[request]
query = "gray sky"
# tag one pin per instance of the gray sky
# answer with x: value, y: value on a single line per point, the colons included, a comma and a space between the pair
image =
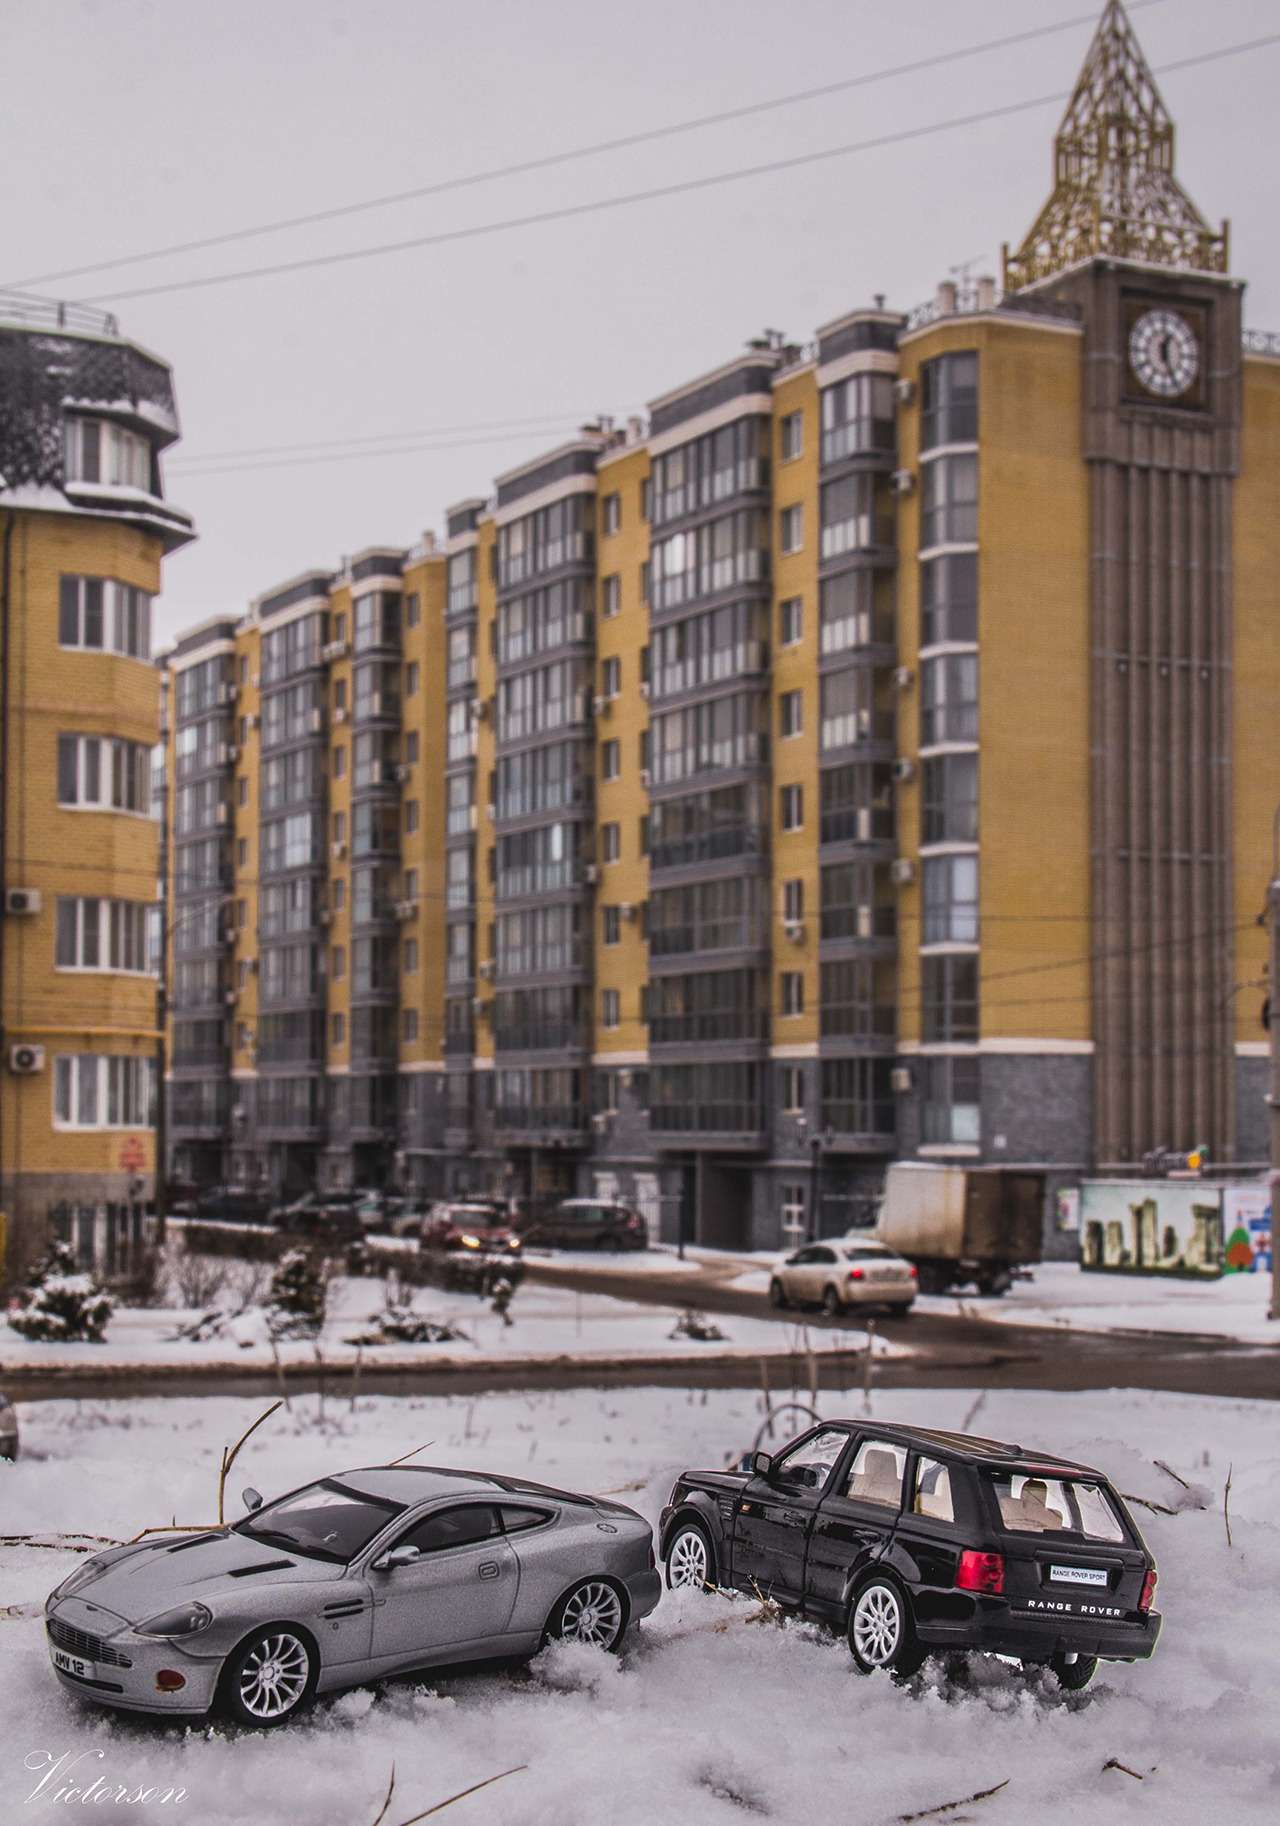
x: 136, y: 123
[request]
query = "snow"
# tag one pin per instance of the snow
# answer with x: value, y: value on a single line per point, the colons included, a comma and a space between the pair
x: 710, y: 1714
x: 548, y: 1323
x: 1063, y: 1294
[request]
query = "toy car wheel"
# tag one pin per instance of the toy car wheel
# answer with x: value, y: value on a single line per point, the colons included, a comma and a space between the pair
x: 831, y: 1303
x: 777, y: 1294
x: 882, y: 1638
x: 269, y: 1677
x: 592, y: 1612
x: 689, y: 1559
x: 1074, y: 1672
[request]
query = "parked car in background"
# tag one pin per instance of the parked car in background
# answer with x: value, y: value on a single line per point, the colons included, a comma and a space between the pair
x: 479, y: 1228
x: 8, y: 1428
x: 587, y: 1223
x: 228, y: 1204
x: 913, y: 1542
x: 846, y: 1271
x: 358, y: 1576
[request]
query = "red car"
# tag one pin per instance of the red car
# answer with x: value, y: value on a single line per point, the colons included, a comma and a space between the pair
x: 477, y: 1227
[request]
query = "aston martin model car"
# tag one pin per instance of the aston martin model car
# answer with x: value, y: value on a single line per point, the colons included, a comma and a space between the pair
x: 844, y: 1272
x: 913, y: 1542
x: 361, y: 1575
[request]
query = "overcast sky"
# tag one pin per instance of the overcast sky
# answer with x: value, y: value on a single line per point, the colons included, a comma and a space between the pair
x: 137, y: 123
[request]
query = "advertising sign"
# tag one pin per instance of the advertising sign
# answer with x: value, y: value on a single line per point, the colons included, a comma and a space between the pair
x: 1152, y: 1226
x: 1246, y: 1222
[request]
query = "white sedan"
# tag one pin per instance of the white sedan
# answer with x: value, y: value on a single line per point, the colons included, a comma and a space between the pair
x: 844, y: 1272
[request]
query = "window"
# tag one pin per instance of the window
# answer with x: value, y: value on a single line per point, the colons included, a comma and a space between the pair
x: 875, y: 1476
x: 242, y: 852
x: 791, y: 440
x: 646, y: 498
x: 1048, y: 1505
x: 857, y: 417
x: 411, y: 748
x: 949, y: 997
x: 104, y: 773
x: 610, y: 1008
x: 853, y: 516
x: 854, y: 610
x: 340, y: 627
x: 461, y: 1526
x: 950, y: 900
x: 932, y: 1495
x: 411, y: 816
x: 610, y: 842
x: 792, y: 988
x: 952, y: 1112
x: 412, y: 676
x: 411, y: 884
x: 791, y: 528
x: 339, y: 965
x: 105, y: 615
x: 611, y: 925
x: 949, y: 400
x: 949, y: 699
x: 340, y: 694
x: 104, y: 935
x: 791, y: 714
x: 792, y: 901
x: 410, y: 956
x: 462, y: 581
x: 338, y: 1029
x: 98, y: 450
x: 611, y: 596
x: 611, y: 513
x: 611, y: 676
x: 792, y: 1090
x: 242, y: 790
x: 793, y: 1215
x: 610, y: 760
x: 949, y: 501
x: 810, y: 1463
x: 791, y: 803
x: 97, y: 1091
x: 338, y: 894
x: 339, y: 827
x: 409, y: 1023
x: 949, y: 598
x: 242, y: 973
x: 646, y: 575
x: 790, y: 620
x: 949, y: 799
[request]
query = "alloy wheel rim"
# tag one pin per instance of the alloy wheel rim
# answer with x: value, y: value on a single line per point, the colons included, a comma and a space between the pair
x: 592, y: 1613
x: 877, y: 1624
x: 274, y: 1677
x: 689, y: 1559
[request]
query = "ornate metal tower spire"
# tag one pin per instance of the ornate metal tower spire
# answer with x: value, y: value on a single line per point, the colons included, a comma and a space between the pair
x: 1114, y: 189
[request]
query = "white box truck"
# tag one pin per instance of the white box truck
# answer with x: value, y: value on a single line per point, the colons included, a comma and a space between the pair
x: 962, y: 1224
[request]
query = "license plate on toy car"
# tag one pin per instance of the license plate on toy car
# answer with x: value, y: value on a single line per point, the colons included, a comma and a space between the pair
x: 71, y: 1664
x: 1078, y: 1575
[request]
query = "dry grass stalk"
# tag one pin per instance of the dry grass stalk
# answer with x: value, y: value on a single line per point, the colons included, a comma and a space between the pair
x: 1169, y: 1471
x: 229, y: 1458
x: 462, y: 1794
x: 1114, y: 1763
x: 1145, y: 1502
x: 406, y: 1455
x: 928, y: 1813
x: 1226, y: 1498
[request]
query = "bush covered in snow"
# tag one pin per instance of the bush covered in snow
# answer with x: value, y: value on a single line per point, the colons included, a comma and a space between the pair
x: 397, y: 1324
x: 62, y: 1305
x: 298, y: 1297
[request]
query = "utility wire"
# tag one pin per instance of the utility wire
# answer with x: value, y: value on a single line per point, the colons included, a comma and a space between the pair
x: 542, y: 422
x: 558, y: 428
x: 547, y: 161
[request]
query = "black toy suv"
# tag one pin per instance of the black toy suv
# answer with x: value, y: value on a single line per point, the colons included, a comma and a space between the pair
x: 914, y: 1542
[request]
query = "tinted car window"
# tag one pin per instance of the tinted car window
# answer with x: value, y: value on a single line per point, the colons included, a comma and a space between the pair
x: 515, y: 1519
x: 818, y: 1453
x: 823, y: 1255
x: 457, y: 1527
x: 932, y: 1495
x: 1050, y: 1505
x: 875, y: 1475
x: 325, y: 1521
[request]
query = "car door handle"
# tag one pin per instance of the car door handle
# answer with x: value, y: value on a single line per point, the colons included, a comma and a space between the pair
x: 490, y: 1569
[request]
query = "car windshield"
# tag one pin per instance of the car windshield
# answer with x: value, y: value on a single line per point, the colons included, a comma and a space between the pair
x: 325, y: 1521
x: 859, y: 1252
x: 1035, y: 1504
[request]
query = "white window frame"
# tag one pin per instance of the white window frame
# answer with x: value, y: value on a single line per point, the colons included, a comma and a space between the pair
x: 122, y: 457
x: 87, y: 1081
x: 791, y: 529
x: 111, y: 939
x: 610, y: 1009
x: 611, y: 842
x: 790, y: 715
x: 791, y: 994
x: 791, y: 440
x: 791, y: 626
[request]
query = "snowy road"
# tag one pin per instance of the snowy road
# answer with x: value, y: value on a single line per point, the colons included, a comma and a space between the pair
x: 708, y: 1716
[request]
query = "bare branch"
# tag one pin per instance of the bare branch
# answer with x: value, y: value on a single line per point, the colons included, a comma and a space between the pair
x: 1113, y: 1763
x: 463, y: 1793
x: 1226, y: 1498
x: 391, y: 1788
x: 927, y: 1813
x: 229, y: 1458
x: 1146, y: 1503
x: 1169, y: 1471
x: 400, y: 1461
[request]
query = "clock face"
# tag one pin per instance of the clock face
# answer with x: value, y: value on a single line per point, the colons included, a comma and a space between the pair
x: 1164, y: 353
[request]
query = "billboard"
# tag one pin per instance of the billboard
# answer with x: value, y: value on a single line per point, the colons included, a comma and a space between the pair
x: 1153, y: 1226
x: 1246, y: 1223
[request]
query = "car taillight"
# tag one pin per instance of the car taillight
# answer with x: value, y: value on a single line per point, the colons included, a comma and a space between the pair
x: 980, y: 1571
x: 855, y: 1274
x: 1148, y: 1591
x: 913, y: 1271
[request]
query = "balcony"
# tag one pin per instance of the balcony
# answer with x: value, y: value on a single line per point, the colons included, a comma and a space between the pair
x: 734, y: 1120
x: 540, y: 1119
x: 709, y: 846
x: 539, y: 1036
x: 860, y: 1127
x: 714, y: 1027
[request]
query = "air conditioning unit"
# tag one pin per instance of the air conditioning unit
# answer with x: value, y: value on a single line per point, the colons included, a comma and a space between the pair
x: 904, y: 391
x: 338, y: 851
x: 24, y: 1060
x: 591, y: 874
x: 794, y: 930
x: 628, y: 909
x: 904, y: 481
x: 402, y: 772
x: 336, y: 649
x: 646, y: 776
x: 904, y: 768
x: 900, y: 1078
x: 315, y: 722
x: 231, y: 998
x: 903, y: 678
x: 600, y: 706
x: 479, y: 709
x: 22, y: 900
x: 339, y: 714
x: 406, y: 909
x: 487, y: 969
x: 644, y: 688
x: 902, y: 870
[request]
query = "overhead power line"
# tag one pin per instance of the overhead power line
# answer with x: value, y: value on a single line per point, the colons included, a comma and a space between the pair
x: 557, y: 427
x: 546, y: 161
x: 655, y: 193
x: 538, y: 423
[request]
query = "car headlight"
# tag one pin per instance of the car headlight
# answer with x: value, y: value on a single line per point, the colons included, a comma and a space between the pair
x: 184, y: 1620
x: 87, y: 1570
x: 469, y: 1242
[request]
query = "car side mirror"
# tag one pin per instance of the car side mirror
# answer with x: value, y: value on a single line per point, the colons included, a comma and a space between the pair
x: 396, y: 1556
x: 804, y: 1477
x: 251, y: 1498
x: 761, y: 1464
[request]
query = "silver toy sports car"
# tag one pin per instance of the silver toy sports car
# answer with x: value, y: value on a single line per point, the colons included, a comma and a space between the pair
x: 364, y: 1574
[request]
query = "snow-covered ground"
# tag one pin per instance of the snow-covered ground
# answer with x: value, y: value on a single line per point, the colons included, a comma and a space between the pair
x: 547, y: 1322
x: 1063, y: 1294
x: 709, y: 1715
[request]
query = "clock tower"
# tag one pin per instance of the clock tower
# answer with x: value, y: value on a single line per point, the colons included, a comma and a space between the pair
x: 1122, y: 242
